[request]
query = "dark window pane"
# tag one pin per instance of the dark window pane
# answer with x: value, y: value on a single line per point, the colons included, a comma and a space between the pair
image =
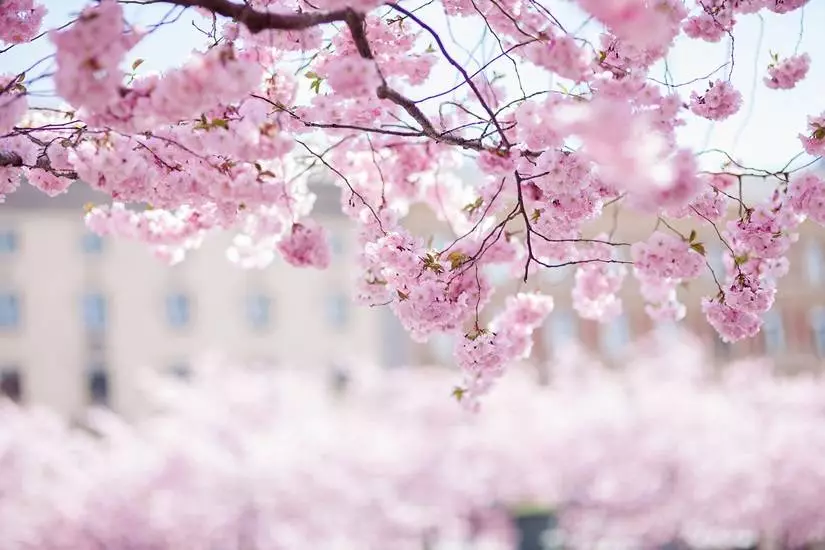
x: 9, y: 311
x: 11, y: 384
x: 98, y: 386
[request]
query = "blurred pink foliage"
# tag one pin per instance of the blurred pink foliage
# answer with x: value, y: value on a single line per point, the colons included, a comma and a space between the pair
x: 254, y: 460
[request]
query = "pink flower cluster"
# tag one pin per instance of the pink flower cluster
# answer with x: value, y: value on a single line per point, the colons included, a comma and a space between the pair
x: 305, y: 245
x: 665, y: 256
x: 89, y: 53
x: 13, y: 103
x: 597, y: 283
x: 785, y: 74
x: 806, y: 195
x: 205, y: 84
x: 483, y: 354
x: 639, y: 22
x: 814, y: 141
x: 170, y: 234
x: 665, y: 448
x: 661, y: 264
x: 732, y: 324
x: 720, y: 101
x: 757, y: 244
x: 353, y: 76
x: 209, y: 145
x: 562, y: 55
x: 430, y: 293
x: 20, y: 20
x: 715, y: 20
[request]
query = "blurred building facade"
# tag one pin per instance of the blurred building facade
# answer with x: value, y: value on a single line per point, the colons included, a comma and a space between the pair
x: 793, y: 334
x: 82, y: 317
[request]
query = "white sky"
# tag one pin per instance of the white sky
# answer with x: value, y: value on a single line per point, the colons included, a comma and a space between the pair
x: 763, y: 134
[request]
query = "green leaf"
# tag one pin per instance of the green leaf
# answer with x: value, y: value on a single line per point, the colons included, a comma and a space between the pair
x: 698, y: 247
x: 692, y: 236
x: 316, y: 85
x: 534, y: 217
x: 458, y: 393
x: 457, y: 259
x: 473, y: 206
x: 221, y: 123
x: 430, y: 49
x: 312, y: 75
x: 431, y: 262
x: 475, y: 333
x: 137, y: 63
x: 819, y: 133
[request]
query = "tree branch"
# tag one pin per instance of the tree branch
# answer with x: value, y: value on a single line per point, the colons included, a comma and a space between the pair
x: 10, y: 158
x: 257, y: 21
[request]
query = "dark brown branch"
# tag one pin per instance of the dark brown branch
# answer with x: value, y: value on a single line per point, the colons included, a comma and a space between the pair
x: 458, y: 67
x: 257, y: 21
x: 14, y: 160
x: 385, y: 92
x: 10, y: 158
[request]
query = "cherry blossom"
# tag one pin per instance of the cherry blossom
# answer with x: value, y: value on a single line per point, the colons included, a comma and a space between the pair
x: 814, y: 142
x: 720, y: 101
x: 20, y: 20
x: 785, y: 74
x: 732, y: 324
x: 664, y: 256
x: 806, y: 195
x: 666, y: 449
x: 13, y: 103
x: 562, y: 125
x: 305, y: 245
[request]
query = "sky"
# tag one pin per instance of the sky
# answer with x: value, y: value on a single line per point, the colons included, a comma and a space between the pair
x: 762, y: 134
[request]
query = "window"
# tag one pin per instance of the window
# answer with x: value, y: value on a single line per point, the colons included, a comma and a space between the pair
x: 562, y: 328
x: 814, y: 262
x: 614, y: 336
x: 98, y: 385
x: 442, y: 346
x: 818, y: 329
x: 394, y: 341
x: 91, y: 243
x: 498, y: 273
x: 257, y: 310
x: 339, y: 378
x: 773, y: 331
x: 9, y: 311
x: 336, y: 244
x: 337, y: 310
x: 177, y: 310
x: 8, y: 241
x: 180, y: 370
x: 722, y: 349
x: 94, y: 312
x: 11, y: 384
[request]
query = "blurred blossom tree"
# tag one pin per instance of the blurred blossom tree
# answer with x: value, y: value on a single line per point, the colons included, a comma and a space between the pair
x: 246, y: 460
x: 225, y: 140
